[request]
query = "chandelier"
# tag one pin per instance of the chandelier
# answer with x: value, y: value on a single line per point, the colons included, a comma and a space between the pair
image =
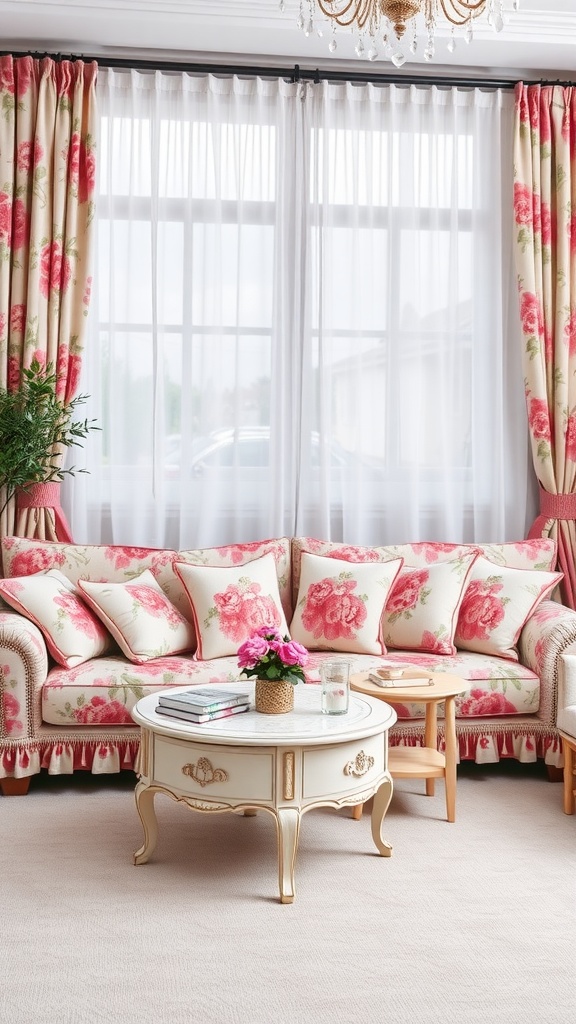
x: 380, y: 26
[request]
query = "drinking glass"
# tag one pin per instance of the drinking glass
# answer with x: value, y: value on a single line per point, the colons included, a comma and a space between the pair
x: 335, y: 683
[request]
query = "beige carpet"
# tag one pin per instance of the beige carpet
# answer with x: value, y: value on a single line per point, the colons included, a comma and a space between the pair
x: 469, y: 923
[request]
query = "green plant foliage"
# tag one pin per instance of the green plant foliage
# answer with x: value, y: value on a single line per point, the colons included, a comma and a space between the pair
x: 35, y: 426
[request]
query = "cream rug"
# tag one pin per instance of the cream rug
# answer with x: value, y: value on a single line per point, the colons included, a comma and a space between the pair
x: 468, y: 923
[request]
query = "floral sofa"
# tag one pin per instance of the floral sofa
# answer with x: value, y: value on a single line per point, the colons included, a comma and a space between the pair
x: 86, y: 630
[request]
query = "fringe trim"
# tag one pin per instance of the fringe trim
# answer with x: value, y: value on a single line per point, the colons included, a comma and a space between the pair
x: 485, y: 745
x: 103, y: 756
x: 109, y: 754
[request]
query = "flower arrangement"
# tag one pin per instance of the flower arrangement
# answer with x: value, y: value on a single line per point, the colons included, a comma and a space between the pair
x: 269, y: 655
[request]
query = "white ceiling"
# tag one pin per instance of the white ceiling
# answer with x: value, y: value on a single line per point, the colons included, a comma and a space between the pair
x: 539, y: 40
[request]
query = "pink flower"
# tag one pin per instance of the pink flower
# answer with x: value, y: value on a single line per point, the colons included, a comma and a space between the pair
x: 100, y: 711
x: 28, y: 562
x: 531, y: 315
x: 55, y: 269
x: 347, y: 553
x: 481, y: 611
x: 11, y: 710
x: 538, y: 418
x: 18, y: 318
x: 570, y: 332
x: 522, y: 204
x: 406, y: 591
x: 80, y: 617
x: 331, y: 609
x: 251, y: 651
x: 293, y: 653
x: 242, y: 609
x: 482, y: 702
x: 571, y: 437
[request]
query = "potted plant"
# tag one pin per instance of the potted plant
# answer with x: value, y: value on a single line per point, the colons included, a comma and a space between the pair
x: 277, y: 663
x: 35, y: 425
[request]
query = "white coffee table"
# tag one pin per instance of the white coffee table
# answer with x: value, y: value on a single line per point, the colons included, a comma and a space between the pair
x: 283, y: 764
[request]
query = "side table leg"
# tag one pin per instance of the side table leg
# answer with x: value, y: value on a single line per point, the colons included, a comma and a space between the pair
x: 450, y: 757
x: 145, y: 806
x: 431, y: 737
x: 288, y: 820
x: 381, y: 804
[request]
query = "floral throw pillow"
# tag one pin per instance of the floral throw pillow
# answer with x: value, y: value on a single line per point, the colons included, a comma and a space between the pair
x: 48, y: 599
x: 231, y: 603
x: 496, y: 605
x: 422, y: 609
x: 140, y: 617
x: 340, y: 604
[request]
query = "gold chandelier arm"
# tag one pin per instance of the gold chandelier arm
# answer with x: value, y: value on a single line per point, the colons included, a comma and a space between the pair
x: 458, y: 12
x: 346, y: 12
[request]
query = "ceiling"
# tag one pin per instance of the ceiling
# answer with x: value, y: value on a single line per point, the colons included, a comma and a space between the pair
x: 538, y: 41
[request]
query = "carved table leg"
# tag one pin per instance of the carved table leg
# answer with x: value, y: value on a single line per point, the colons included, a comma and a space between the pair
x: 450, y: 757
x: 288, y: 820
x: 145, y: 806
x: 381, y: 804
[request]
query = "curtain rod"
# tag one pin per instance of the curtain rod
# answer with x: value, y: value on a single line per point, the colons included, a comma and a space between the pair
x: 294, y: 73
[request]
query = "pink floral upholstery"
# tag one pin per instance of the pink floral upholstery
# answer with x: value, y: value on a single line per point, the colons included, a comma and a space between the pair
x: 422, y: 608
x: 144, y: 623
x: 72, y: 632
x: 496, y: 605
x: 340, y: 603
x: 229, y: 604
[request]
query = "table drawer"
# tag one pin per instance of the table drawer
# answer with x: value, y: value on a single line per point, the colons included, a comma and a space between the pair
x: 211, y: 771
x: 344, y: 768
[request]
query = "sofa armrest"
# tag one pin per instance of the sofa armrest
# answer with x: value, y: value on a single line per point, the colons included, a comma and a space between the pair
x: 549, y: 633
x: 23, y: 672
x: 567, y: 684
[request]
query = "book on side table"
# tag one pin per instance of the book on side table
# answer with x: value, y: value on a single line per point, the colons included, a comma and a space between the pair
x: 390, y: 677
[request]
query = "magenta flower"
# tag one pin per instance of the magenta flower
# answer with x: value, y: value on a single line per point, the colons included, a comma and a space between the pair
x: 268, y: 655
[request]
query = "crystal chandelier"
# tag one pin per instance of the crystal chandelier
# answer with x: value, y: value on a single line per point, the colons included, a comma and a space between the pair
x: 381, y: 25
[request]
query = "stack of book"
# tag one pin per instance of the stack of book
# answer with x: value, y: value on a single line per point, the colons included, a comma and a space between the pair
x: 202, y: 705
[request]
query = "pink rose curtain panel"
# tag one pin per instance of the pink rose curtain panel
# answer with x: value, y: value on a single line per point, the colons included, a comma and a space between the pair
x: 47, y: 176
x: 545, y: 216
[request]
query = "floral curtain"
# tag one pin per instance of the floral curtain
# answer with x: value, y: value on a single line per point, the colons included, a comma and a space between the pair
x: 47, y: 178
x: 545, y: 216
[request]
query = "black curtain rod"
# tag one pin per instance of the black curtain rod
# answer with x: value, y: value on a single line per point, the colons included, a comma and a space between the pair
x: 294, y: 73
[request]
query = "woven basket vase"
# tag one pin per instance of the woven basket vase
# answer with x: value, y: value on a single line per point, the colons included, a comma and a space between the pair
x: 273, y: 698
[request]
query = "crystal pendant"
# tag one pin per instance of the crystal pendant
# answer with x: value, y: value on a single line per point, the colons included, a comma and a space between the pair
x: 359, y: 48
x: 414, y: 45
x: 398, y: 59
x: 309, y: 28
x: 469, y: 33
x: 372, y: 53
x: 300, y: 22
x: 429, y: 53
x: 497, y: 22
x: 451, y: 44
x: 282, y: 6
x: 332, y: 45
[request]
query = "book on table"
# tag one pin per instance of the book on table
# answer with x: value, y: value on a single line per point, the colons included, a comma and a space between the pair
x: 199, y: 719
x: 200, y: 700
x: 382, y: 678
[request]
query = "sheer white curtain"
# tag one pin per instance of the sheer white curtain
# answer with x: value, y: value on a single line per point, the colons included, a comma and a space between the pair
x: 303, y: 317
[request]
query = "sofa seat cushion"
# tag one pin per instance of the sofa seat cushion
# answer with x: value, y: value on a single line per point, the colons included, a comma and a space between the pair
x: 103, y: 691
x: 496, y: 687
x: 567, y: 720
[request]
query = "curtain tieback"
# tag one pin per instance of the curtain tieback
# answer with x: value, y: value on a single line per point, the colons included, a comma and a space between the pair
x: 46, y: 496
x: 557, y: 506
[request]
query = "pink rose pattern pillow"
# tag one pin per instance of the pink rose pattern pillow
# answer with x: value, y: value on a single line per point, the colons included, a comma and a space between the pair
x: 140, y: 617
x: 73, y: 634
x: 497, y: 603
x: 422, y: 609
x: 340, y: 604
x: 230, y: 604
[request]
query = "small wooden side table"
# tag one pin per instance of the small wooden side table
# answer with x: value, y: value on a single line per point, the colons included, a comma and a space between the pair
x: 425, y: 762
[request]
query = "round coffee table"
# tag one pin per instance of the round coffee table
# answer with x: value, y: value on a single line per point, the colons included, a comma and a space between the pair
x: 425, y: 762
x: 284, y: 764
